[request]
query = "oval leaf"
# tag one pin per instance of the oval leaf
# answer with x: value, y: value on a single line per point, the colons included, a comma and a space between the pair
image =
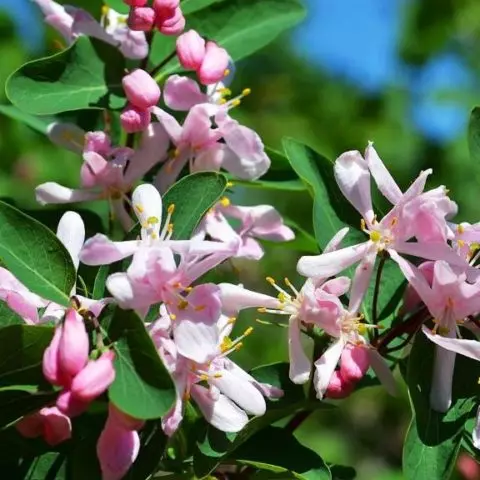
x: 88, y: 74
x: 35, y: 255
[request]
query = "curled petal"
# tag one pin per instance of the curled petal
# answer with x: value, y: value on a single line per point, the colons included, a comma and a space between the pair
x: 325, y: 367
x: 300, y: 364
x: 100, y: 250
x: 182, y: 93
x: 467, y: 348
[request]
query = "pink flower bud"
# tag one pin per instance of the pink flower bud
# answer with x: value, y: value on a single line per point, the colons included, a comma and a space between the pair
x: 98, y: 142
x: 57, y: 427
x: 95, y: 378
x: 30, y: 426
x: 354, y: 363
x: 134, y: 120
x: 126, y: 421
x: 468, y: 467
x: 141, y: 19
x: 141, y: 89
x: 70, y: 405
x: 135, y: 3
x: 50, y: 359
x: 173, y: 25
x: 163, y: 5
x: 338, y: 387
x: 191, y: 50
x: 214, y: 65
x: 74, y: 345
x: 117, y: 449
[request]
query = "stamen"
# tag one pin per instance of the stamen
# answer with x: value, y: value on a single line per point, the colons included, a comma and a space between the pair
x: 230, y: 184
x: 173, y: 317
x: 363, y: 226
x: 226, y: 73
x: 199, y: 308
x: 246, y: 91
x: 270, y: 280
x: 182, y: 305
x: 171, y: 209
x: 139, y: 209
x: 225, y: 201
x: 460, y: 229
x: 105, y: 10
x: 375, y: 236
x: 289, y: 285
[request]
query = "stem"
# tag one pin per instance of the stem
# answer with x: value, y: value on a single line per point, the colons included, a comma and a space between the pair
x: 297, y: 420
x: 162, y: 64
x: 377, y: 290
x: 149, y: 38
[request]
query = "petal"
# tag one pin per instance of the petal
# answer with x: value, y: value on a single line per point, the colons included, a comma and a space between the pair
x: 476, y: 431
x: 329, y: 264
x: 241, y: 391
x: 147, y: 204
x: 67, y: 135
x: 236, y: 297
x: 197, y: 128
x: 325, y: 366
x: 353, y: 179
x: 383, y: 373
x: 52, y: 192
x: 417, y: 187
x: 431, y: 251
x: 300, y: 364
x: 169, y: 172
x: 133, y: 45
x: 385, y: 182
x: 120, y: 287
x: 196, y: 340
x: 85, y: 24
x: 182, y: 93
x: 467, y: 348
x: 442, y: 380
x: 222, y: 413
x: 361, y: 280
x: 71, y: 232
x: 21, y: 306
x: 336, y: 240
x: 100, y: 250
x: 172, y: 127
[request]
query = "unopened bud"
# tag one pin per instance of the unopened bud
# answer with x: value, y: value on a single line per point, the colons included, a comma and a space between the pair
x: 214, y: 64
x: 95, y: 378
x: 141, y: 19
x: 70, y: 405
x: 30, y: 426
x: 134, y: 119
x: 135, y: 3
x: 141, y: 89
x: 190, y: 50
x: 338, y: 387
x: 354, y: 363
x: 165, y: 5
x: 73, y: 346
x: 173, y: 25
x: 50, y: 359
x: 57, y: 427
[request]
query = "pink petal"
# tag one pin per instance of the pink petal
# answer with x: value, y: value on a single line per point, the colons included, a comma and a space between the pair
x: 52, y: 192
x: 57, y: 427
x: 300, y: 364
x: 172, y: 127
x: 417, y: 187
x: 325, y: 366
x: 361, y: 280
x: 235, y: 298
x: 385, y: 182
x: 67, y: 135
x: 196, y: 340
x: 336, y: 240
x: 353, y: 178
x: 182, y: 93
x: 100, y: 250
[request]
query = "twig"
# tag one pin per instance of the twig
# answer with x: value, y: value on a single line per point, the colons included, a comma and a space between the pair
x: 376, y: 292
x: 162, y: 64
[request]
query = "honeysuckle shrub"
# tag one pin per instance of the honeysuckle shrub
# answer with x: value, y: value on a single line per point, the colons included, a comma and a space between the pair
x: 117, y: 333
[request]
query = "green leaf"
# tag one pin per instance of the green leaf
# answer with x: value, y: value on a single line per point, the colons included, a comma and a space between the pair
x: 9, y: 317
x: 21, y: 353
x: 474, y: 135
x: 190, y: 6
x: 37, y: 123
x: 240, y: 26
x: 288, y: 456
x: 303, y: 241
x: 86, y: 75
x: 331, y: 211
x: 35, y: 255
x: 50, y: 465
x: 118, y: 5
x: 433, y: 439
x: 286, y: 185
x: 100, y: 282
x: 142, y: 387
x: 193, y: 196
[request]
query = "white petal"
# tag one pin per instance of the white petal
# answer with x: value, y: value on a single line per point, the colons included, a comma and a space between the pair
x: 120, y: 287
x: 147, y: 204
x: 67, y: 135
x: 325, y: 366
x: 467, y: 348
x: 336, y: 240
x: 196, y: 340
x: 222, y: 413
x: 442, y: 380
x: 71, y: 232
x: 52, y: 192
x: 300, y: 364
x: 361, y: 280
x: 236, y: 298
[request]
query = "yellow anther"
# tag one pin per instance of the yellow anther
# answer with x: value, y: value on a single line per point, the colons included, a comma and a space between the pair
x: 262, y: 310
x: 226, y: 345
x: 270, y: 280
x: 177, y: 285
x: 238, y: 346
x: 248, y: 331
x: 231, y: 320
x: 282, y: 297
x: 170, y: 228
x: 443, y: 330
x: 362, y: 224
x: 186, y: 396
x: 461, y: 243
x: 246, y: 91
x: 460, y: 229
x: 152, y: 220
x: 153, y: 236
x: 217, y: 375
x: 188, y: 289
x: 226, y: 73
x: 225, y: 91
x: 394, y: 221
x: 171, y: 209
x: 375, y: 236
x: 361, y: 329
x: 474, y: 246
x: 139, y: 208
x: 225, y: 201
x: 203, y: 378
x: 288, y: 283
x: 236, y: 102
x: 199, y: 308
x: 176, y: 153
x: 173, y: 317
x: 230, y: 184
x: 222, y: 101
x: 182, y: 304
x: 105, y: 10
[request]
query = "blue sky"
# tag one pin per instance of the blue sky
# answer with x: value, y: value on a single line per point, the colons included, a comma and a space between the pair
x: 355, y: 40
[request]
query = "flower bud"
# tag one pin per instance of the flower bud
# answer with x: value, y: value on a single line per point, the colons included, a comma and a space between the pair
x: 98, y: 142
x: 70, y: 405
x: 214, y: 65
x: 141, y: 19
x: 191, y: 50
x: 135, y: 3
x: 74, y: 345
x: 141, y: 89
x: 134, y: 120
x: 57, y: 427
x: 30, y: 426
x: 338, y: 387
x: 164, y: 5
x: 95, y: 378
x: 173, y: 25
x: 50, y: 367
x: 354, y: 363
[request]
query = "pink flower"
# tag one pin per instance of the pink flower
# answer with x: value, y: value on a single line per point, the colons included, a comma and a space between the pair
x: 190, y: 50
x: 141, y: 89
x: 415, y: 214
x: 214, y: 65
x: 141, y: 19
x: 449, y: 299
x: 95, y: 378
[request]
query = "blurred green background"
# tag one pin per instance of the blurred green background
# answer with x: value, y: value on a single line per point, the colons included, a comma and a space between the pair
x: 400, y: 73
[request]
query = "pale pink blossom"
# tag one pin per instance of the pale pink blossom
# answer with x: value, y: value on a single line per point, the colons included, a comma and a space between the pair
x: 190, y: 50
x: 141, y: 89
x: 214, y: 64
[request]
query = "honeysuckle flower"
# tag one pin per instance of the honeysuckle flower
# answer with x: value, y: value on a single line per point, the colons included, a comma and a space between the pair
x: 258, y: 222
x: 414, y: 214
x: 72, y: 22
x: 232, y: 393
x: 466, y: 240
x: 108, y: 172
x: 449, y: 299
